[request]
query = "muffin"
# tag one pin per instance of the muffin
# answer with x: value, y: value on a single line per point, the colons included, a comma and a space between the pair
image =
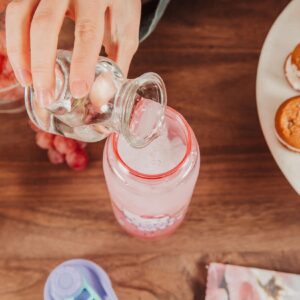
x: 292, y: 68
x: 287, y: 123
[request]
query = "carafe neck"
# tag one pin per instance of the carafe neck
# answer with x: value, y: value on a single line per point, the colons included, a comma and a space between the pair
x: 140, y: 106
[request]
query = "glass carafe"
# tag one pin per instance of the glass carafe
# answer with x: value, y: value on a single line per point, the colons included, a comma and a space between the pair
x: 132, y: 107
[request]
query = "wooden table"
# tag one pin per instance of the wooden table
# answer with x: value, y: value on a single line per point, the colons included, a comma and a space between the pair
x: 243, y: 210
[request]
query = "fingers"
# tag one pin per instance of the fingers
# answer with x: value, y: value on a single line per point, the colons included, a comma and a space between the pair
x: 125, y: 53
x: 18, y: 18
x: 123, y: 20
x: 45, y: 28
x: 89, y: 23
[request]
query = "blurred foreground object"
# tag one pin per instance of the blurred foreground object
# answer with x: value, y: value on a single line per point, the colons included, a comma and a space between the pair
x: 241, y: 283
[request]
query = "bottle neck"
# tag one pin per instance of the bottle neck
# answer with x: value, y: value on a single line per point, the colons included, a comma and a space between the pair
x: 123, y: 107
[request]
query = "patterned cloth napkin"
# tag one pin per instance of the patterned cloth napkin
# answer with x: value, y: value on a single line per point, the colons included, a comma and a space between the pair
x: 228, y: 282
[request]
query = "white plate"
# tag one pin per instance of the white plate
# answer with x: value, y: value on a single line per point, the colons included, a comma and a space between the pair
x: 272, y: 88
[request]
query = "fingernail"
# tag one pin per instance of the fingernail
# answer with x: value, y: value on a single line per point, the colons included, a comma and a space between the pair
x: 24, y: 77
x: 79, y: 88
x: 44, y: 97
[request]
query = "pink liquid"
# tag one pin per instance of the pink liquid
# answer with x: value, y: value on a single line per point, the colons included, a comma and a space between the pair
x: 151, y: 188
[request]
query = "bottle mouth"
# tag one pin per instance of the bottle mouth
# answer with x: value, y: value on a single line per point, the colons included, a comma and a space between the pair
x: 144, y: 114
x: 179, y: 127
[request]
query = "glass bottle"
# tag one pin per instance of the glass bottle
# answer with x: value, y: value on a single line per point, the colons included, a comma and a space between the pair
x: 133, y: 107
x: 151, y: 188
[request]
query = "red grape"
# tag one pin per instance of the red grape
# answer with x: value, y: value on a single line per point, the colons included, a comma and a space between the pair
x: 55, y: 157
x: 64, y: 145
x: 61, y: 149
x: 7, y: 70
x: 44, y: 139
x: 2, y: 38
x: 2, y: 62
x: 77, y: 160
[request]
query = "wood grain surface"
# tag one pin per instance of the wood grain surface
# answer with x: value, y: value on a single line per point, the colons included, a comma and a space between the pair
x: 243, y: 210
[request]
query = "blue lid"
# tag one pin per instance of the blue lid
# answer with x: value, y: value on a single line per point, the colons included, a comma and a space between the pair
x: 78, y: 279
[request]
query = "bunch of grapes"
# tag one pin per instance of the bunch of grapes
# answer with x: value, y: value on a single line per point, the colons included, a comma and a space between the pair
x: 61, y: 149
x: 7, y: 76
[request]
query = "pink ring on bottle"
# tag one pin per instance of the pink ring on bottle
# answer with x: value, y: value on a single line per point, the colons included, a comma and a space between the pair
x: 187, y: 127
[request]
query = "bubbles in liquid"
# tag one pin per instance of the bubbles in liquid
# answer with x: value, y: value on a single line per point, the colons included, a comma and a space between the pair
x: 146, y: 119
x: 161, y: 155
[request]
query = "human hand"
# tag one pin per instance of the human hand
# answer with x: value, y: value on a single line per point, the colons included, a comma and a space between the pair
x: 33, y: 26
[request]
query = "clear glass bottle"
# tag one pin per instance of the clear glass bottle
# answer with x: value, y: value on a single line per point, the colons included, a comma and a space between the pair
x: 151, y: 188
x: 133, y: 107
